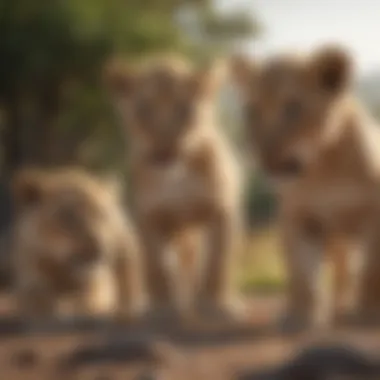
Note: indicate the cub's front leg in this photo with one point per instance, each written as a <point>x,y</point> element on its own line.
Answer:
<point>217,298</point>
<point>35,301</point>
<point>129,275</point>
<point>187,276</point>
<point>368,297</point>
<point>349,256</point>
<point>96,297</point>
<point>159,272</point>
<point>303,244</point>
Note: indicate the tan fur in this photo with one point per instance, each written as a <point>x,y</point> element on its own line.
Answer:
<point>321,147</point>
<point>72,239</point>
<point>185,182</point>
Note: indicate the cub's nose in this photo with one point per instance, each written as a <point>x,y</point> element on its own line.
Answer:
<point>290,167</point>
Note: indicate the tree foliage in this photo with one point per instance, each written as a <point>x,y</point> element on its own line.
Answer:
<point>51,56</point>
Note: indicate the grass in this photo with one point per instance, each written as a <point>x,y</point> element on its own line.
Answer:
<point>262,271</point>
<point>262,267</point>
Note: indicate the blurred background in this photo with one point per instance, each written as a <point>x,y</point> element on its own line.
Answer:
<point>53,109</point>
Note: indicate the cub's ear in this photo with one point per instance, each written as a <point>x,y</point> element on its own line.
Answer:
<point>118,79</point>
<point>113,183</point>
<point>242,71</point>
<point>332,68</point>
<point>28,188</point>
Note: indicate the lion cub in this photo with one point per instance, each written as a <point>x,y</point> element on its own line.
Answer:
<point>186,183</point>
<point>310,134</point>
<point>71,239</point>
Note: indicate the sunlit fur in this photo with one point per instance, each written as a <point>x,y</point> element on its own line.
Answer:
<point>310,133</point>
<point>72,239</point>
<point>186,184</point>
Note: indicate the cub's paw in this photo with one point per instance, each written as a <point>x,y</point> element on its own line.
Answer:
<point>292,323</point>
<point>363,318</point>
<point>166,315</point>
<point>131,314</point>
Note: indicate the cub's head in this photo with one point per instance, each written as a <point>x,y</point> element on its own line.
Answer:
<point>290,106</point>
<point>162,104</point>
<point>66,217</point>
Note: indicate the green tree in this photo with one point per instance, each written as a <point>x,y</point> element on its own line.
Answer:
<point>51,56</point>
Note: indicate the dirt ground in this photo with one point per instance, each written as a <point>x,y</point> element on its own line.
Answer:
<point>144,353</point>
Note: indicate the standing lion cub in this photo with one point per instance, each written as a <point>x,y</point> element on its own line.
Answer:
<point>185,182</point>
<point>310,134</point>
<point>71,239</point>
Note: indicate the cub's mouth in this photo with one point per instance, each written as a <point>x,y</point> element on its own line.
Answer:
<point>162,157</point>
<point>291,167</point>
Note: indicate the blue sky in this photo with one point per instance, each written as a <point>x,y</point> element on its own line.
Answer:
<point>303,24</point>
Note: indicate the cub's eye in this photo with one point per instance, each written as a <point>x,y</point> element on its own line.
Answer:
<point>292,110</point>
<point>183,112</point>
<point>68,217</point>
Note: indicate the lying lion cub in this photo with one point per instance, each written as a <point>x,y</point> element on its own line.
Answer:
<point>71,239</point>
<point>311,135</point>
